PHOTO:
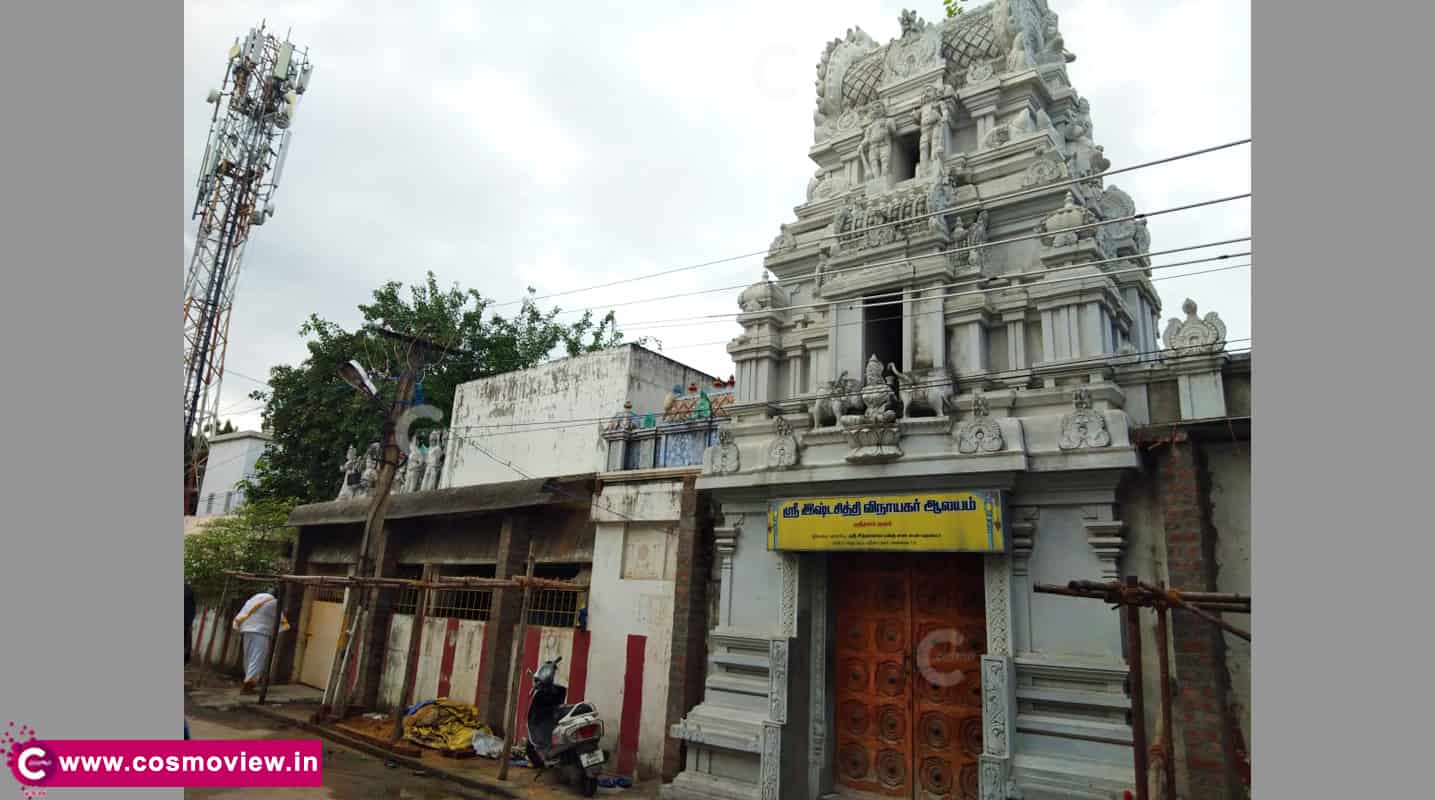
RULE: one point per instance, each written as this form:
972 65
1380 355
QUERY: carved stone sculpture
1083 427
722 458
784 242
1194 335
433 461
934 118
1084 157
1058 225
875 433
414 472
877 141
923 392
1053 49
943 197
976 240
369 477
350 471
1116 238
979 433
784 452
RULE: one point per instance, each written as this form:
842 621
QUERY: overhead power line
1101 360
911 259
1009 276
980 203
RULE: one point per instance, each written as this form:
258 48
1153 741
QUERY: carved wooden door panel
948 635
873 695
900 732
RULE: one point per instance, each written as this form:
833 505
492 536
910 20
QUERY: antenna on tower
243 161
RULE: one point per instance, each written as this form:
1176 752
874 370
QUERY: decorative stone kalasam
1194 335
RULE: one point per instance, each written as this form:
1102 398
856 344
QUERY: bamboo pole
517 582
271 654
1167 735
513 675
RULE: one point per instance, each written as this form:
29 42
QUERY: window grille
462 603
555 608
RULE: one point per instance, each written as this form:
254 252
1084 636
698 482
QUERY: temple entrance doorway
910 633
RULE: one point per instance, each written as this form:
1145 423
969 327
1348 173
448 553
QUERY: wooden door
321 635
901 733
949 635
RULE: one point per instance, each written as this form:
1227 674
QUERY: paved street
348 774
215 710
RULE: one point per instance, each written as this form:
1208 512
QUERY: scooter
565 736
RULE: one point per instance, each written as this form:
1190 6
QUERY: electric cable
955 210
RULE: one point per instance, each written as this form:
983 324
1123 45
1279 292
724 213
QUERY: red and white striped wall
211 626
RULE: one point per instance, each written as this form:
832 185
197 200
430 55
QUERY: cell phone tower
242 166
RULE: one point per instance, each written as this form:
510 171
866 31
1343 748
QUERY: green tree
953 7
255 538
313 415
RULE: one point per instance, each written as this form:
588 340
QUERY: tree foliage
255 538
953 7
313 415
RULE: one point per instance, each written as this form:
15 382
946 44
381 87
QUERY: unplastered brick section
1200 708
685 671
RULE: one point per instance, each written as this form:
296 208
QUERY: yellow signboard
942 522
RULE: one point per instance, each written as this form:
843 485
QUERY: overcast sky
560 145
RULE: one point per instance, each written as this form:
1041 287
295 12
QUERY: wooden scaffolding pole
516 670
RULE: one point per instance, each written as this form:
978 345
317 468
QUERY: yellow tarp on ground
444 725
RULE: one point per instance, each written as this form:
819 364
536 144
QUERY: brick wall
685 670
1200 709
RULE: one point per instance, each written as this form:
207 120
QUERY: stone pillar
998 686
724 547
498 642
1200 710
1199 385
818 770
1023 539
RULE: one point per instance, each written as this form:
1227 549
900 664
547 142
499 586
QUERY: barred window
328 594
463 603
408 600
556 608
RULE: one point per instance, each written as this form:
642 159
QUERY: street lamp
353 374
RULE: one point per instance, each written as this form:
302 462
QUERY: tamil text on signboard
946 522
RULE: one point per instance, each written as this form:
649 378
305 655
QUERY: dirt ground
354 775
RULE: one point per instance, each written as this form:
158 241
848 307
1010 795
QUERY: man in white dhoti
254 622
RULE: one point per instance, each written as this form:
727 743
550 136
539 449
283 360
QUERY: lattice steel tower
243 163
